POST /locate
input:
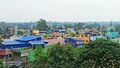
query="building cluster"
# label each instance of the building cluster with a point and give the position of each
(11, 28)
(20, 48)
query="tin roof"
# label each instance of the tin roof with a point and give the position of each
(28, 38)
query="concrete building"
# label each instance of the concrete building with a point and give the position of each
(13, 29)
(2, 25)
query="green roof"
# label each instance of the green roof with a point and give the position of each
(71, 37)
(27, 33)
(46, 35)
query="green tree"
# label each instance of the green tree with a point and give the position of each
(101, 53)
(58, 56)
(77, 32)
(20, 32)
(7, 29)
(60, 27)
(112, 30)
(40, 58)
(1, 64)
(99, 27)
(42, 26)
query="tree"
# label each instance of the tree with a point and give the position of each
(112, 30)
(77, 32)
(20, 32)
(99, 27)
(58, 56)
(7, 29)
(41, 26)
(60, 27)
(40, 58)
(101, 53)
(1, 64)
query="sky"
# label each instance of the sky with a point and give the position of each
(59, 10)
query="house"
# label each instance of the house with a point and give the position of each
(101, 37)
(83, 37)
(93, 38)
(40, 32)
(35, 32)
(29, 41)
(117, 39)
(76, 43)
(25, 55)
(55, 41)
(111, 35)
(12, 38)
(26, 34)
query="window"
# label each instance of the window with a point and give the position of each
(82, 35)
(117, 40)
(10, 55)
(79, 44)
(76, 45)
(82, 44)
(33, 47)
(86, 40)
(7, 56)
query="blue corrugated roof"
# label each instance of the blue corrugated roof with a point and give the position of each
(36, 42)
(44, 41)
(13, 43)
(28, 38)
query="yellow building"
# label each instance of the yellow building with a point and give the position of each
(23, 30)
(82, 37)
(35, 32)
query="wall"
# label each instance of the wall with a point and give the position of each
(14, 46)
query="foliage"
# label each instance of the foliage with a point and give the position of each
(72, 34)
(42, 26)
(99, 27)
(77, 32)
(112, 30)
(40, 58)
(58, 56)
(102, 53)
(97, 53)
(1, 64)
(20, 32)
(7, 30)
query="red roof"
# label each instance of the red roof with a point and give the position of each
(1, 53)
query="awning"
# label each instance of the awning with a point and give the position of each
(1, 53)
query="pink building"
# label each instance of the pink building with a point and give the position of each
(6, 53)
(55, 41)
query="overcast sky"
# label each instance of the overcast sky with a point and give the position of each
(59, 10)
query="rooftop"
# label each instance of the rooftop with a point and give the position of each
(36, 42)
(13, 42)
(28, 38)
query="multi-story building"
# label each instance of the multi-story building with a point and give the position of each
(12, 28)
(2, 25)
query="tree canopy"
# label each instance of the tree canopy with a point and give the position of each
(42, 26)
(95, 54)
